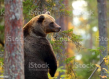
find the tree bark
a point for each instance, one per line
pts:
(14, 56)
(102, 33)
(62, 20)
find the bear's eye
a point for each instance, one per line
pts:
(51, 23)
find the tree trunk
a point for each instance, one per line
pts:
(102, 33)
(62, 20)
(14, 56)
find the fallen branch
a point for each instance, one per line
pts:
(95, 70)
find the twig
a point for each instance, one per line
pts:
(95, 70)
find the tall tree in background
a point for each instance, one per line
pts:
(102, 33)
(62, 20)
(14, 56)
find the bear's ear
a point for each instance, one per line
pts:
(40, 19)
(47, 13)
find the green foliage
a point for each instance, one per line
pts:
(1, 59)
(65, 36)
(89, 57)
(28, 8)
(61, 69)
(1, 23)
(68, 60)
(58, 44)
(1, 62)
(97, 51)
(76, 39)
(32, 8)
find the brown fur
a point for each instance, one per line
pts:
(37, 49)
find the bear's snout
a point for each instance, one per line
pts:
(58, 28)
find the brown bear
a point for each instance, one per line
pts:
(38, 53)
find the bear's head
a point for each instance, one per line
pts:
(41, 25)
